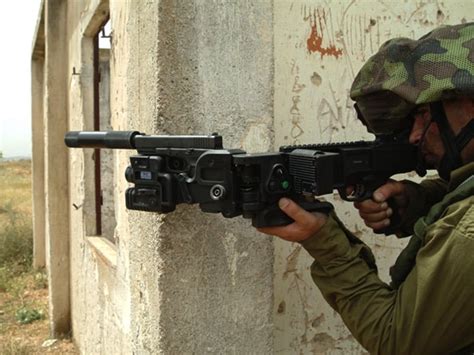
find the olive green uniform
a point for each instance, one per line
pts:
(429, 306)
(432, 310)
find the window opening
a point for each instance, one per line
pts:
(103, 159)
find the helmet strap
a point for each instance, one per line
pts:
(421, 166)
(465, 136)
(452, 156)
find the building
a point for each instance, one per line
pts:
(262, 74)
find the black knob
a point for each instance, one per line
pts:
(129, 174)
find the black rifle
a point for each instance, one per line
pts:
(170, 170)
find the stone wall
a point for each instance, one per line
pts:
(169, 284)
(318, 51)
(262, 74)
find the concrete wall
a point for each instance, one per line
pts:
(38, 136)
(319, 48)
(262, 74)
(100, 293)
(201, 287)
(168, 284)
(56, 159)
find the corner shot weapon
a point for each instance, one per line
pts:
(170, 170)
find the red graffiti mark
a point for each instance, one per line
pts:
(315, 40)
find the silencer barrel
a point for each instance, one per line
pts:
(101, 139)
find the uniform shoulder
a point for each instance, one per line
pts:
(466, 222)
(457, 217)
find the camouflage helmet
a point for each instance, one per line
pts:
(405, 73)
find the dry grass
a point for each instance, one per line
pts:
(15, 188)
(23, 291)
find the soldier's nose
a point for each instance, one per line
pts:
(417, 130)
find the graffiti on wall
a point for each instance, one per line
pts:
(319, 48)
(296, 116)
(331, 36)
(318, 23)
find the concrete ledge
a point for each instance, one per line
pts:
(104, 249)
(38, 48)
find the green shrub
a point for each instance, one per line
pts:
(28, 315)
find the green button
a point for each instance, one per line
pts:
(285, 184)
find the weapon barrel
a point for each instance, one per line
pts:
(97, 139)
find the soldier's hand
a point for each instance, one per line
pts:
(306, 223)
(376, 212)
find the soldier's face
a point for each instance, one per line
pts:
(459, 112)
(425, 134)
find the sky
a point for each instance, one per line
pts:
(17, 26)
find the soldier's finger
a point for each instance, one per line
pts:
(298, 214)
(376, 217)
(378, 225)
(390, 189)
(281, 232)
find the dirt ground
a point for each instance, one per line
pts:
(24, 327)
(17, 338)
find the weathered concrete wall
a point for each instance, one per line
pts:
(38, 136)
(319, 47)
(169, 284)
(56, 158)
(194, 283)
(38, 187)
(100, 290)
(200, 284)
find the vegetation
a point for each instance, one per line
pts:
(16, 241)
(23, 290)
(16, 236)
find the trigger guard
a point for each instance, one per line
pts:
(360, 193)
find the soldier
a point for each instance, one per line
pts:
(426, 86)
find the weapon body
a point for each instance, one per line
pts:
(170, 170)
